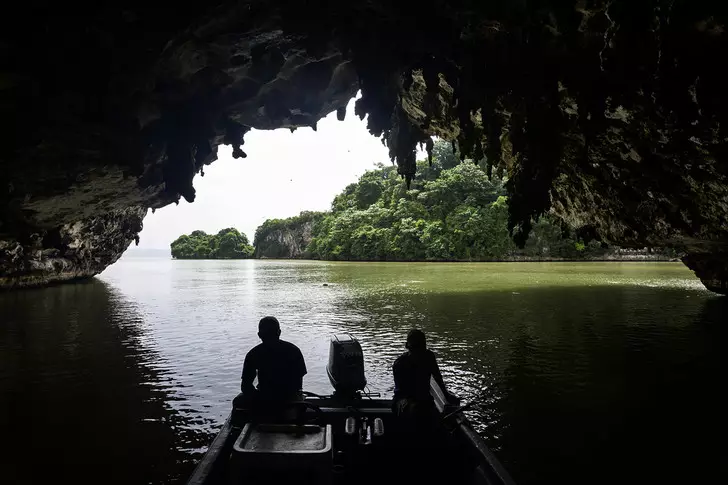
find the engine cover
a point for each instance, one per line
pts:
(346, 365)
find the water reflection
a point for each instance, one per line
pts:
(635, 401)
(86, 397)
(583, 373)
(585, 384)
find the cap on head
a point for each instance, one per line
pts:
(269, 328)
(416, 339)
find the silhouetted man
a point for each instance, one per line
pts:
(412, 373)
(417, 416)
(278, 364)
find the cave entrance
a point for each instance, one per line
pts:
(462, 215)
(284, 173)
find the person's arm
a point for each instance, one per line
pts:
(397, 374)
(438, 376)
(301, 369)
(248, 377)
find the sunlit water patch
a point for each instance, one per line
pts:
(568, 365)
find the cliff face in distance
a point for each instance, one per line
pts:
(611, 113)
(285, 238)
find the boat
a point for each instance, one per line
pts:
(349, 437)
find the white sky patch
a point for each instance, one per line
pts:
(284, 174)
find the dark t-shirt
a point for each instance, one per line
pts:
(279, 366)
(412, 372)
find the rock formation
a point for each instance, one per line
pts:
(74, 250)
(285, 238)
(612, 114)
(285, 243)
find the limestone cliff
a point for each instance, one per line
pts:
(74, 250)
(612, 113)
(285, 238)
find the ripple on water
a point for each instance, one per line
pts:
(563, 362)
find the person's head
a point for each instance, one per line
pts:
(416, 340)
(269, 330)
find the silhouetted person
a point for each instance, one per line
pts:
(412, 373)
(418, 420)
(278, 364)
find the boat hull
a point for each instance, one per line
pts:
(445, 450)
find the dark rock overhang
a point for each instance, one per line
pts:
(610, 114)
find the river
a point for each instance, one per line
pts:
(588, 373)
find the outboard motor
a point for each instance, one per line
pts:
(346, 366)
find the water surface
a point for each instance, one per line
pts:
(593, 372)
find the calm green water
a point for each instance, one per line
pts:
(588, 373)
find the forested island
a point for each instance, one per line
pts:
(228, 243)
(452, 211)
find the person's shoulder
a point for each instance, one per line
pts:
(258, 347)
(290, 346)
(402, 358)
(254, 351)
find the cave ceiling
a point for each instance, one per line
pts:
(609, 114)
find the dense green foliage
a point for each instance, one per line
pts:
(227, 244)
(452, 212)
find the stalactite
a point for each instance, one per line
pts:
(580, 138)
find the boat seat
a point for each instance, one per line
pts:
(269, 450)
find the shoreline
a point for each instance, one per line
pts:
(634, 259)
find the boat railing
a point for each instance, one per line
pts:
(492, 469)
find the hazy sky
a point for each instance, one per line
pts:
(284, 174)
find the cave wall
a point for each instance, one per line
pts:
(110, 112)
(611, 114)
(75, 250)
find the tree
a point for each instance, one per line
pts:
(443, 155)
(407, 242)
(226, 244)
(465, 183)
(436, 241)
